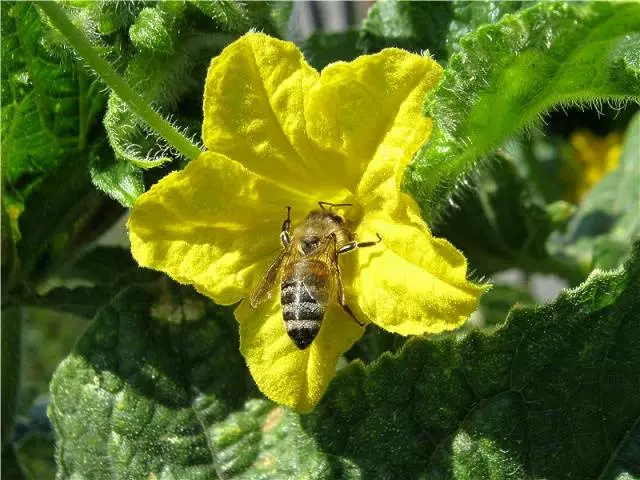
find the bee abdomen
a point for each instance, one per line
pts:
(302, 314)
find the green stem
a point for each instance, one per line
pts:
(120, 87)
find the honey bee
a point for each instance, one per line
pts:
(308, 266)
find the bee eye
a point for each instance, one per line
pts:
(337, 218)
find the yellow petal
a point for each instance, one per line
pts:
(254, 112)
(372, 108)
(213, 225)
(285, 374)
(411, 283)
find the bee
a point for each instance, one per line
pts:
(308, 267)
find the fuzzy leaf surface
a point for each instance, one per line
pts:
(143, 388)
(551, 393)
(508, 74)
(49, 106)
(466, 16)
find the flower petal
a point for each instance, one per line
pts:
(411, 283)
(372, 107)
(254, 112)
(285, 374)
(213, 225)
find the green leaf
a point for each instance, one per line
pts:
(175, 45)
(467, 16)
(607, 222)
(142, 390)
(151, 31)
(49, 108)
(157, 386)
(414, 26)
(121, 180)
(552, 393)
(267, 441)
(507, 75)
(374, 343)
(626, 454)
(239, 17)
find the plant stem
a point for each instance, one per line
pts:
(120, 87)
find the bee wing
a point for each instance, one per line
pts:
(264, 289)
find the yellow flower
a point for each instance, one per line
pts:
(593, 157)
(278, 134)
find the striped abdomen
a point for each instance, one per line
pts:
(304, 298)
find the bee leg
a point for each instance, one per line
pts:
(341, 298)
(285, 232)
(353, 245)
(331, 205)
(348, 310)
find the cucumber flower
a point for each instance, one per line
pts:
(593, 157)
(280, 134)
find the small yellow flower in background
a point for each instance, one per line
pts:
(593, 158)
(278, 134)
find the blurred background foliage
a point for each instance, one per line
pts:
(559, 198)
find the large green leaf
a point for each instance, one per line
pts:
(144, 387)
(157, 387)
(607, 221)
(552, 393)
(508, 74)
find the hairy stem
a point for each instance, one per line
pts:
(103, 68)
